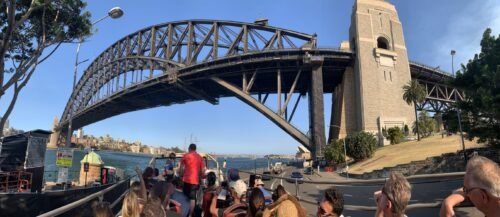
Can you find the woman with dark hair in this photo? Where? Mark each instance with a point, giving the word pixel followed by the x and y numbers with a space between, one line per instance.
pixel 208 193
pixel 147 176
pixel 255 203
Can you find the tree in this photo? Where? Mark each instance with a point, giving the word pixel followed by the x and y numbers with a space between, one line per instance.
pixel 31 31
pixel 480 81
pixel 334 152
pixel 426 125
pixel 360 145
pixel 414 93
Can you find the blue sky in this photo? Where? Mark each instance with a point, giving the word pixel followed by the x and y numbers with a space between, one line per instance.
pixel 431 29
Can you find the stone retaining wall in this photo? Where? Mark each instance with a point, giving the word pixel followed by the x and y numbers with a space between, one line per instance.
pixel 446 163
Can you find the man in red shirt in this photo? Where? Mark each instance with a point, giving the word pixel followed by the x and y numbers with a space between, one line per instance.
pixel 193 169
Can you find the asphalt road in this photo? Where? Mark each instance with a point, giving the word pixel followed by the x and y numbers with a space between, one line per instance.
pixel 422 192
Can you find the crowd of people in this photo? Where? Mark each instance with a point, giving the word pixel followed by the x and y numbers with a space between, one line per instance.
pixel 159 194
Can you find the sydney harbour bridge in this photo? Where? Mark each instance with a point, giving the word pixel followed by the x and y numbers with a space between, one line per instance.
pixel 191 60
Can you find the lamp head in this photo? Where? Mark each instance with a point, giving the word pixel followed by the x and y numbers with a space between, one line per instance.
pixel 115 12
pixel 453 52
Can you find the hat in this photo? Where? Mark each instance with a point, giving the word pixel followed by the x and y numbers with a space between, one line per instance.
pixel 258 182
pixel 239 186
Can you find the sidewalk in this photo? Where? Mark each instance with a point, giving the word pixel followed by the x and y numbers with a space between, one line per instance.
pixel 325 177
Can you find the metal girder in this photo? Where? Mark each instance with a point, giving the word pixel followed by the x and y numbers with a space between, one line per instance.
pixel 263 109
pixel 441 92
pixel 197 93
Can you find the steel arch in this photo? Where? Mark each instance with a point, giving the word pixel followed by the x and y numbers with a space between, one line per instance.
pixel 169 47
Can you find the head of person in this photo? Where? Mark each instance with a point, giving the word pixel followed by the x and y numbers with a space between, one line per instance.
pixel 153 208
pixel 256 203
pixel 102 209
pixel 278 192
pixel 148 173
pixel 159 191
pixel 171 156
pixel 130 206
pixel 259 183
pixel 192 147
pixel 482 184
pixel 136 187
pixel 332 204
pixel 234 175
pixel 177 183
pixel 395 195
pixel 211 179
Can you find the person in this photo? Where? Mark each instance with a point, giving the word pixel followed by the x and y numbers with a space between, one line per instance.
pixel 193 168
pixel 393 198
pixel 153 208
pixel 256 203
pixel 259 184
pixel 136 188
pixel 130 206
pixel 231 204
pixel 209 193
pixel 175 193
pixel 236 183
pixel 147 176
pixel 481 188
pixel 332 204
pixel 169 171
pixel 278 192
pixel 286 205
pixel 102 209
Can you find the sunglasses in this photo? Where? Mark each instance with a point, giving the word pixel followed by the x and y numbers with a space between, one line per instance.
pixel 468 190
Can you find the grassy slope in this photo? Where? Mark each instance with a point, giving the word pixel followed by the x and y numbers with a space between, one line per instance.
pixel 402 153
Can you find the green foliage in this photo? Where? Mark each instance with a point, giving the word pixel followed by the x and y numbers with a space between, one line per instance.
pixel 30 33
pixel 414 93
pixel 395 134
pixel 480 81
pixel 361 145
pixel 334 152
pixel 426 125
pixel 406 130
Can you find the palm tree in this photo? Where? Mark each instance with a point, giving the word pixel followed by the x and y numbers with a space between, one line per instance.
pixel 414 93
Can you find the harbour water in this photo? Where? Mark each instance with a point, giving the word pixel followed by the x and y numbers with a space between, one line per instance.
pixel 128 162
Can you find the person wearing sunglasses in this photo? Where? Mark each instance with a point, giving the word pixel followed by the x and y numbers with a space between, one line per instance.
pixel 332 204
pixel 481 188
pixel 393 198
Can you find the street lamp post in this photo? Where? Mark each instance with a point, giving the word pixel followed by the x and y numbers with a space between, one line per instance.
pixel 458 109
pixel 345 153
pixel 114 13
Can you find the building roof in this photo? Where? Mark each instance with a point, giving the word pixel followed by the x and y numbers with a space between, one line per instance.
pixel 303 149
pixel 92 158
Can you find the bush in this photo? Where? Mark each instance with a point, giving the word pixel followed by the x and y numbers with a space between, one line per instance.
pixel 394 134
pixel 406 130
pixel 426 125
pixel 334 152
pixel 361 145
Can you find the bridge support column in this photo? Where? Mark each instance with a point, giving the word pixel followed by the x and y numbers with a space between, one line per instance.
pixel 343 115
pixel 316 111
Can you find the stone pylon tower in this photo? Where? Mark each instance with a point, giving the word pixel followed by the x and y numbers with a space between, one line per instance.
pixel 54 135
pixel 372 91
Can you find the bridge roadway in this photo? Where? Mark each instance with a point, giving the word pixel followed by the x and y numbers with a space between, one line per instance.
pixel 363 195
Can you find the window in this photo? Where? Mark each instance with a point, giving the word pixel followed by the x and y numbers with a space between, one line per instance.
pixel 382 43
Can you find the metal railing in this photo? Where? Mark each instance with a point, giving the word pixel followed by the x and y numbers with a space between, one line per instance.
pixel 414 179
pixel 98 195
